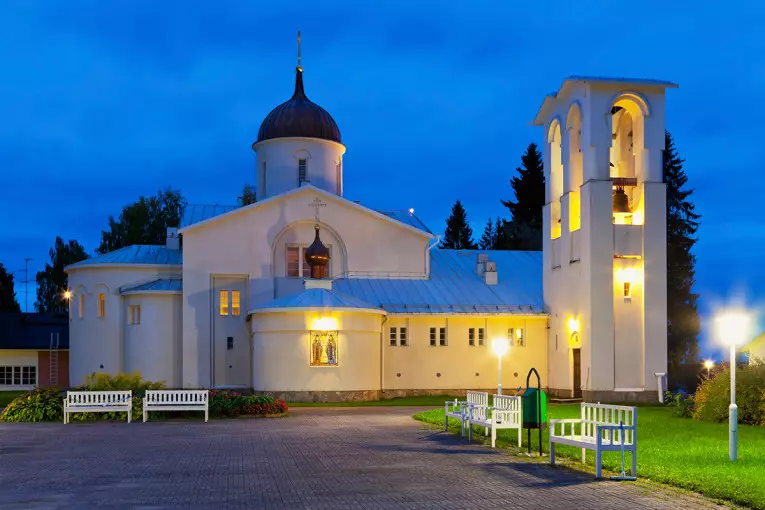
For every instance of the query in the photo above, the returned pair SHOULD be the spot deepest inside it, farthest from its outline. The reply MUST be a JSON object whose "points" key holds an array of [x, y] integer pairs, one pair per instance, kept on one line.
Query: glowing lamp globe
{"points": [[500, 346], [709, 364], [67, 294], [732, 327]]}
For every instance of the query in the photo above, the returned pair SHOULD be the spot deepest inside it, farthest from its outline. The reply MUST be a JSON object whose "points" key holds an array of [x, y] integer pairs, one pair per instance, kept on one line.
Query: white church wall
{"points": [[153, 346], [242, 244], [280, 157], [97, 343], [458, 365], [281, 353]]}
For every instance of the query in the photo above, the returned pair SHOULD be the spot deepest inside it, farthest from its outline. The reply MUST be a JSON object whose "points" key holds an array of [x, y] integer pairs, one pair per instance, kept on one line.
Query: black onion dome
{"points": [[317, 254], [299, 117]]}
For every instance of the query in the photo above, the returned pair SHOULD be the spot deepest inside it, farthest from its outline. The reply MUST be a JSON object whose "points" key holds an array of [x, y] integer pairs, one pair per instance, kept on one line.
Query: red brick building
{"points": [[34, 351]]}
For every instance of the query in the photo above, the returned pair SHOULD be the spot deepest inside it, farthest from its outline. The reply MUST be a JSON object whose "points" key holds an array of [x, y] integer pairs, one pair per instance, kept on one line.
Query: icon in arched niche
{"points": [[323, 348]]}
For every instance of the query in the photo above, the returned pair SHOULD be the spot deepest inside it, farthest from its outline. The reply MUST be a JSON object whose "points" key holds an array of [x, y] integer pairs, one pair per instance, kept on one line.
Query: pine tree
{"points": [[53, 281], [8, 302], [683, 325], [524, 230], [489, 236], [458, 234]]}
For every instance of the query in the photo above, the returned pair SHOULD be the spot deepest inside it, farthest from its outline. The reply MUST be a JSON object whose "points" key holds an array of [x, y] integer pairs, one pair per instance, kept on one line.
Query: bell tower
{"points": [[605, 257]]}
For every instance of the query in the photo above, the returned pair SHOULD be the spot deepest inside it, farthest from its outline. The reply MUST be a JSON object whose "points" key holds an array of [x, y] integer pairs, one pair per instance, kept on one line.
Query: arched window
{"points": [[574, 167], [555, 182], [626, 157]]}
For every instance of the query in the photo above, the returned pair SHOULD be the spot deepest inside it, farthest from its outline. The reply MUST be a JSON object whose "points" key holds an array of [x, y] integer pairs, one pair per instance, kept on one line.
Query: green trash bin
{"points": [[534, 406]]}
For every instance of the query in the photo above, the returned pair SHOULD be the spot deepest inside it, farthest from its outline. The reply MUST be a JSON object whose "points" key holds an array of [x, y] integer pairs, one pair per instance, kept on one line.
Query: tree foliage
{"points": [[248, 195], [458, 234], [494, 235], [683, 325], [144, 221], [52, 281], [8, 302], [524, 229]]}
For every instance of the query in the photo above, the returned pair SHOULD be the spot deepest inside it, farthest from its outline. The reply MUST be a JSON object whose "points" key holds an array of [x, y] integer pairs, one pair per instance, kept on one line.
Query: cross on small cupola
{"points": [[317, 256]]}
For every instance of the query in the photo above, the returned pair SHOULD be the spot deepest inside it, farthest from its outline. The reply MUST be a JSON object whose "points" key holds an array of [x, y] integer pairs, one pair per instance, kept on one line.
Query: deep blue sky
{"points": [[104, 101]]}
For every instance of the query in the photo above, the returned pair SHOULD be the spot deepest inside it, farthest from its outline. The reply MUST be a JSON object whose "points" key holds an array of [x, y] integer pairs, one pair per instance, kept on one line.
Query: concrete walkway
{"points": [[315, 458]]}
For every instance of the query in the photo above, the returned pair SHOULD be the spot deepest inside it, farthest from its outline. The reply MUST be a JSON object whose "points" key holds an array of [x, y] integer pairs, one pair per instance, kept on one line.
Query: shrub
{"points": [[101, 381], [231, 403], [713, 396], [37, 405], [681, 402]]}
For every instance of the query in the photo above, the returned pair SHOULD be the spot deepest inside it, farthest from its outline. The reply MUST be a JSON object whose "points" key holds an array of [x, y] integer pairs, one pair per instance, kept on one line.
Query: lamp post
{"points": [[733, 330], [709, 364], [500, 346]]}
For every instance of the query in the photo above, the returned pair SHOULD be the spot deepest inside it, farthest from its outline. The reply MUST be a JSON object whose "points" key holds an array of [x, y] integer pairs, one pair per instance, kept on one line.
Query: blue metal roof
{"points": [[316, 298], [454, 287], [159, 285], [195, 213], [606, 79], [407, 218], [136, 254]]}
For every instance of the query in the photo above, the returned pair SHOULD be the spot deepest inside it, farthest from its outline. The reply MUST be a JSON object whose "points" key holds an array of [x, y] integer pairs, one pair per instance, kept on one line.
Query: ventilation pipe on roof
{"points": [[490, 273], [173, 239], [480, 263]]}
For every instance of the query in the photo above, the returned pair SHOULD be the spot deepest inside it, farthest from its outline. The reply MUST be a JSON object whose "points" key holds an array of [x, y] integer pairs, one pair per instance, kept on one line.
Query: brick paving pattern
{"points": [[315, 458]]}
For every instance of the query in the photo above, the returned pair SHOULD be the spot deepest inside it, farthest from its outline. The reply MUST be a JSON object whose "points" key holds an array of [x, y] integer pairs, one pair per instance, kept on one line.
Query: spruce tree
{"points": [[52, 281], [8, 302], [458, 234], [524, 230], [683, 325], [489, 236]]}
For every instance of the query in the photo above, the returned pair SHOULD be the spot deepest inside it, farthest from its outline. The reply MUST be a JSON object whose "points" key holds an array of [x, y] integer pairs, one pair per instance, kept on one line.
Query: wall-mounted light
{"points": [[627, 276], [324, 324], [573, 325]]}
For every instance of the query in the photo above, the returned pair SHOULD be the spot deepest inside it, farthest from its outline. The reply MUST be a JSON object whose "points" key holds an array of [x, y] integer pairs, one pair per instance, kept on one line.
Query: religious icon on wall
{"points": [[323, 348]]}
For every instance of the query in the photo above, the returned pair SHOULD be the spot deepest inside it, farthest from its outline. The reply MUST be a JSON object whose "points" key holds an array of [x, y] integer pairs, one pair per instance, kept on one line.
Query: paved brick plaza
{"points": [[317, 458]]}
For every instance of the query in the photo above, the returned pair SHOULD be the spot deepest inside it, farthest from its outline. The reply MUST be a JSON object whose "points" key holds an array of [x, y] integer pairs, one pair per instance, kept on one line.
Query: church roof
{"points": [[299, 117], [316, 299], [408, 218], [160, 285], [152, 255], [454, 287], [195, 213], [33, 330]]}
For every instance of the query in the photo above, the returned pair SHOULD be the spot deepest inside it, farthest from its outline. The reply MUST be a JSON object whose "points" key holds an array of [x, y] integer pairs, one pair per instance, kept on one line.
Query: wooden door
{"points": [[577, 373]]}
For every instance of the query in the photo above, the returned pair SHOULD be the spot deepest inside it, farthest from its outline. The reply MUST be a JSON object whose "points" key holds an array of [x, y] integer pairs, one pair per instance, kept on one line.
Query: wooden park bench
{"points": [[175, 400], [98, 402], [505, 413], [602, 428], [461, 409]]}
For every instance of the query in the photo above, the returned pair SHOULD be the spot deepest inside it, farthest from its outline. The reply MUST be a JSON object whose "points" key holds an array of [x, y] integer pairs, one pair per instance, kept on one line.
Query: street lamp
{"points": [[709, 365], [500, 346], [733, 331]]}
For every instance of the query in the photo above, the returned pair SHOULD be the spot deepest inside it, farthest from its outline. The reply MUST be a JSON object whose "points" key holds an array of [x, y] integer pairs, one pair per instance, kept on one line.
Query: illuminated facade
{"points": [[310, 296]]}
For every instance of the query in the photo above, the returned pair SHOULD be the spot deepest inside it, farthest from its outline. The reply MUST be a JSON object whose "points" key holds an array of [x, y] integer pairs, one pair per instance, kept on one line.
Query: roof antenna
{"points": [[298, 66]]}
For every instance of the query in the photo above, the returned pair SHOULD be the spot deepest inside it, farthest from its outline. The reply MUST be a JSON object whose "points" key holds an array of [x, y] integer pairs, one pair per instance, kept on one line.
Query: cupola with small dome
{"points": [[298, 143]]}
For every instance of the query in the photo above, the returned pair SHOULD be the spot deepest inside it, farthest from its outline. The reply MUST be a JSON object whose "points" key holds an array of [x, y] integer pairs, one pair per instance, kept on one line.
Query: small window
{"points": [[393, 337], [433, 337], [516, 337], [223, 302], [301, 170], [481, 337], [471, 336], [442, 336], [264, 180], [230, 343], [101, 306], [6, 375], [306, 266], [236, 304], [81, 306], [339, 171], [627, 290], [293, 261], [134, 315], [402, 337], [28, 375], [16, 375]]}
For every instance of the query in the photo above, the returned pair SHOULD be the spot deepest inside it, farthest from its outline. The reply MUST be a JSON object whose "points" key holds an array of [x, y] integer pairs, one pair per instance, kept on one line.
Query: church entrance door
{"points": [[231, 339], [577, 373]]}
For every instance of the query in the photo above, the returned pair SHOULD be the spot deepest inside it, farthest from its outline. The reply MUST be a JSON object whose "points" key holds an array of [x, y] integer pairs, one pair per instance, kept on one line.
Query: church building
{"points": [[309, 295]]}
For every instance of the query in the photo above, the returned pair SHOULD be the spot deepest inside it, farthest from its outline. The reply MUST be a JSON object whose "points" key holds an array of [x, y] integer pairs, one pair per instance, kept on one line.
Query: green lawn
{"points": [[7, 396], [676, 451], [424, 401]]}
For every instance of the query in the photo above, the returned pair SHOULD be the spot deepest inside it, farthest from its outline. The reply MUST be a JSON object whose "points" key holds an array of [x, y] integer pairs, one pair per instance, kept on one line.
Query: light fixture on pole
{"points": [[733, 330], [709, 365], [500, 346]]}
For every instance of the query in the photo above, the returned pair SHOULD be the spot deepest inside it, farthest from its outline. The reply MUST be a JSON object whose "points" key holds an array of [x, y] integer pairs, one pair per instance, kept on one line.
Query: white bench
{"points": [[98, 402], [461, 409], [599, 429], [175, 400], [505, 413]]}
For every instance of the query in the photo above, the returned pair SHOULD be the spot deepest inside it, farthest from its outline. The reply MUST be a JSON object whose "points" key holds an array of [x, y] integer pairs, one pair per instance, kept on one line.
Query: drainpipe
{"points": [[427, 253], [382, 353], [660, 380]]}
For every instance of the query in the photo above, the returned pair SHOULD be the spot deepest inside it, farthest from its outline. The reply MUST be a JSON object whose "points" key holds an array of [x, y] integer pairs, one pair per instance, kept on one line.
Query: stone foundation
{"points": [[361, 395], [608, 397]]}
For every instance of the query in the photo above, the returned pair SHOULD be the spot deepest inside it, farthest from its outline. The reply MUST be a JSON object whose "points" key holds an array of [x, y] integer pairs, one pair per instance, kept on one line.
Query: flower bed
{"points": [[231, 403]]}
